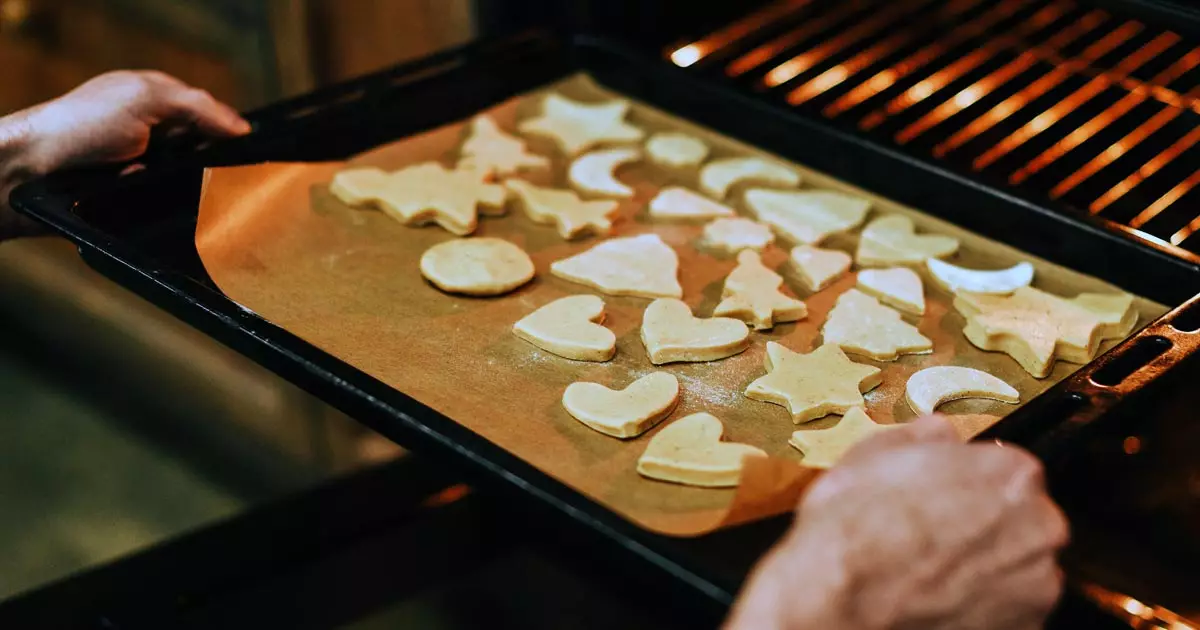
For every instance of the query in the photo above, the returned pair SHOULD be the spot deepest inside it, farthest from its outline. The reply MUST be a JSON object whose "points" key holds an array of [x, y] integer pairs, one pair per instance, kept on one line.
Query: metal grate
{"points": [[1076, 103]]}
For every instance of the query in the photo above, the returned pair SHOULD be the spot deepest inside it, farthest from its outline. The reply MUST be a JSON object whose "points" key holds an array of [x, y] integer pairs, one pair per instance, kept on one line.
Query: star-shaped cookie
{"points": [[563, 208], [752, 295], [823, 448], [577, 127], [1035, 328], [494, 153], [813, 385], [423, 193]]}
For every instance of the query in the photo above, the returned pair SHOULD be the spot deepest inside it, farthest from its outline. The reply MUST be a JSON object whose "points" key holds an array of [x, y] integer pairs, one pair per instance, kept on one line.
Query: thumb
{"points": [[925, 430]]}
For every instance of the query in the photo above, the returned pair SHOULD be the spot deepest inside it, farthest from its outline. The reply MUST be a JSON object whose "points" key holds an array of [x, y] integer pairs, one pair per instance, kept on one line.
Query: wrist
{"points": [[21, 160]]}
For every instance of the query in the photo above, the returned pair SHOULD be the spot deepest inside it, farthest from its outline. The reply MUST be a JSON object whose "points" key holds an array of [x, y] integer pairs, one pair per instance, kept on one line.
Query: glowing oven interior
{"points": [[1099, 112]]}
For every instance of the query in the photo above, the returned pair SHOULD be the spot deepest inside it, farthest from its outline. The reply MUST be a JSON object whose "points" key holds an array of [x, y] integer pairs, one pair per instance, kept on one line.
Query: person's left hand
{"points": [[109, 118]]}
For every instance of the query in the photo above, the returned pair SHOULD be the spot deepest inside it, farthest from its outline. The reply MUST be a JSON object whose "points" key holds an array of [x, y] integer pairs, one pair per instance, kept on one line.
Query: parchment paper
{"points": [[275, 240]]}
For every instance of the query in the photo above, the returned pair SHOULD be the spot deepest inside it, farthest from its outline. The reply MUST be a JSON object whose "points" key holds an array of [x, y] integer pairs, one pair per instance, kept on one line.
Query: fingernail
{"points": [[242, 126]]}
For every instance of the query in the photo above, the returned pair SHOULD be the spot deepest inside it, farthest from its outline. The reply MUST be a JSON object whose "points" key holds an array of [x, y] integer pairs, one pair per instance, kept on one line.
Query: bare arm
{"points": [[107, 119]]}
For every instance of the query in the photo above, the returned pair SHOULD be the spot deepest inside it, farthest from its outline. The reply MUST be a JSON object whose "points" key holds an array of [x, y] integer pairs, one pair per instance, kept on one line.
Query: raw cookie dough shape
{"points": [[570, 327], [594, 172], [933, 386], [672, 334], [892, 240], [577, 126], [624, 413], [674, 202], [999, 282], [675, 149], [424, 193], [735, 234], [752, 295], [690, 451], [476, 266], [898, 287], [641, 266], [823, 448], [818, 268], [1035, 328], [807, 217], [571, 215], [860, 325], [718, 176], [813, 385], [494, 153]]}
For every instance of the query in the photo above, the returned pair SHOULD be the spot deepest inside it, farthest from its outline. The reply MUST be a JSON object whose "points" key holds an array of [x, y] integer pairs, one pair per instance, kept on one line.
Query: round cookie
{"points": [[476, 266]]}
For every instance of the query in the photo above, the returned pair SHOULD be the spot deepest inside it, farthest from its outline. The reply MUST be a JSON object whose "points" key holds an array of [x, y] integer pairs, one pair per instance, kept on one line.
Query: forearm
{"points": [[19, 163]]}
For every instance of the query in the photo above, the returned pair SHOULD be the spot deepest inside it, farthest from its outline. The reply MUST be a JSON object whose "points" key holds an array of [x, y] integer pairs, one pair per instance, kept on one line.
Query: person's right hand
{"points": [[915, 530]]}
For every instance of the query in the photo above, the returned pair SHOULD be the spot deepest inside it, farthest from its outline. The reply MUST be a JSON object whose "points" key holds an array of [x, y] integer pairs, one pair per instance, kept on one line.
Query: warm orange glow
{"points": [[877, 20], [1179, 237], [1116, 150], [1132, 445], [685, 56], [864, 59], [1048, 81], [447, 496], [920, 58], [688, 55], [1077, 98], [999, 77], [1165, 201], [1079, 136], [1149, 168], [769, 50]]}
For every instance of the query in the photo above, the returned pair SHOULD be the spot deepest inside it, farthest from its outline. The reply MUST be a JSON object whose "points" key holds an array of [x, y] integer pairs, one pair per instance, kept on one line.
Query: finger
{"points": [[926, 430], [207, 113]]}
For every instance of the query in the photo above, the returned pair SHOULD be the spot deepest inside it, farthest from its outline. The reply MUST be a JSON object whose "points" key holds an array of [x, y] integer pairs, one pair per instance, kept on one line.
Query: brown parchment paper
{"points": [[275, 240]]}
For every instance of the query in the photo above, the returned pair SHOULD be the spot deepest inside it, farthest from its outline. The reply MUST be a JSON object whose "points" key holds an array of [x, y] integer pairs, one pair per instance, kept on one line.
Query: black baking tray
{"points": [[138, 229]]}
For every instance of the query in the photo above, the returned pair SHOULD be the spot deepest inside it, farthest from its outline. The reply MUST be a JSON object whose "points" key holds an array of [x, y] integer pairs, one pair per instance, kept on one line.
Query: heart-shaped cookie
{"points": [[624, 413], [892, 240], [690, 451], [672, 334], [570, 327]]}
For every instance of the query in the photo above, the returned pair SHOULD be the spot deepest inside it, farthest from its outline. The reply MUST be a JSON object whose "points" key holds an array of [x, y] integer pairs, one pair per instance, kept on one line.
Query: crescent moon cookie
{"points": [[819, 268], [624, 413], [476, 266], [752, 295], [813, 385], [823, 448], [570, 327], [494, 153], [421, 194], [577, 126], [1035, 328], [672, 334], [563, 208], [860, 325], [674, 202], [899, 287], [594, 172], [690, 451], [807, 217], [998, 282], [892, 240], [718, 176], [933, 386], [732, 235], [676, 150], [641, 266]]}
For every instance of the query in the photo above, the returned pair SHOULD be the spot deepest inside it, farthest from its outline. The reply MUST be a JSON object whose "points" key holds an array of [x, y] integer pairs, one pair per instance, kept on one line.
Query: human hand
{"points": [[915, 530], [109, 118]]}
